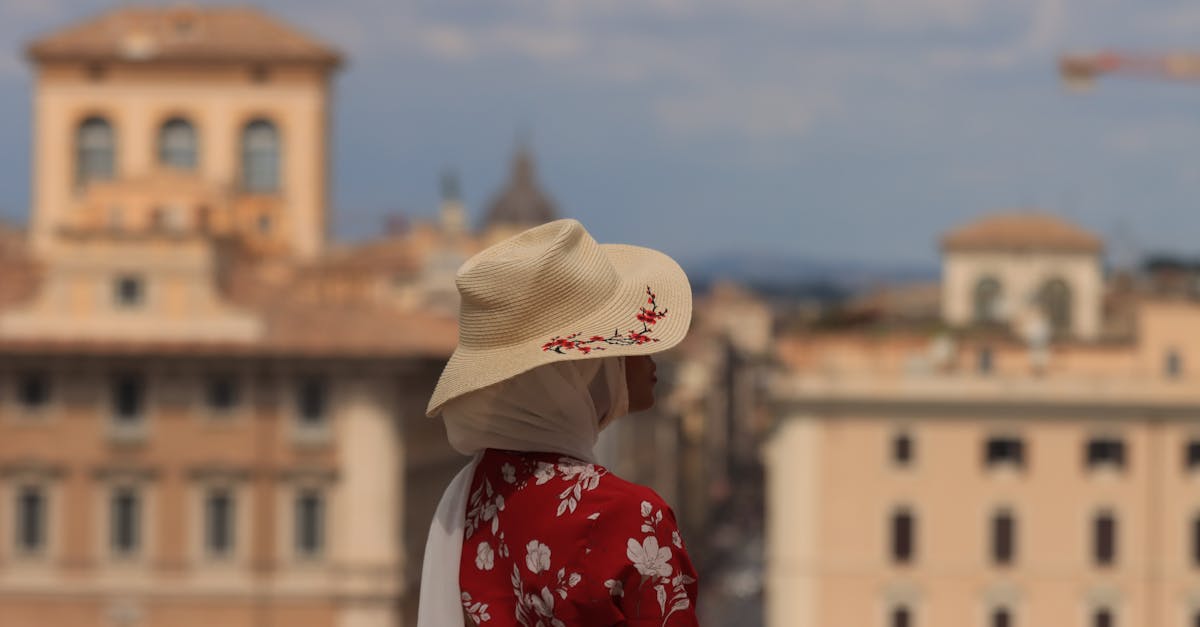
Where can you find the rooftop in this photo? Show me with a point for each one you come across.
(182, 33)
(1025, 230)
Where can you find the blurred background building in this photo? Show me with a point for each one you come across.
(1029, 456)
(211, 412)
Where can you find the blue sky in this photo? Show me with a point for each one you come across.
(851, 130)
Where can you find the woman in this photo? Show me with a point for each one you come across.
(555, 337)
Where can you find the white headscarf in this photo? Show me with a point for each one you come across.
(558, 408)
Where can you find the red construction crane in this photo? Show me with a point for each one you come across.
(1080, 71)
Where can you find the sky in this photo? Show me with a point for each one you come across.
(847, 130)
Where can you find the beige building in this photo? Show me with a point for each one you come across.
(1025, 269)
(209, 414)
(979, 478)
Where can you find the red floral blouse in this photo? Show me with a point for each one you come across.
(551, 541)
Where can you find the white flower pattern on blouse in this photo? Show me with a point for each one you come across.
(477, 611)
(653, 583)
(537, 557)
(485, 558)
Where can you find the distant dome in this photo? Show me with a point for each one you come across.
(522, 203)
(1021, 231)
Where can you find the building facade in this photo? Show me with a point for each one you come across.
(209, 414)
(972, 476)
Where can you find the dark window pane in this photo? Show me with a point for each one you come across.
(903, 543)
(1196, 540)
(984, 360)
(31, 518)
(901, 617)
(222, 393)
(95, 147)
(125, 523)
(1101, 451)
(33, 390)
(1001, 618)
(1173, 364)
(177, 144)
(219, 521)
(128, 397)
(988, 294)
(313, 400)
(902, 449)
(1004, 450)
(1191, 454)
(1105, 539)
(309, 523)
(127, 291)
(1103, 618)
(260, 157)
(1196, 619)
(1004, 538)
(1055, 300)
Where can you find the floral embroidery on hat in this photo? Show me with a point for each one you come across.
(648, 315)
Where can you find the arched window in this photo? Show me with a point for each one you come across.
(901, 617)
(177, 144)
(1001, 617)
(1055, 301)
(987, 300)
(95, 151)
(260, 157)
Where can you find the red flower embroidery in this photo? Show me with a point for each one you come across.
(647, 316)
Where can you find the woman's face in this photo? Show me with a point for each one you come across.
(640, 380)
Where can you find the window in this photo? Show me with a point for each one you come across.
(1103, 617)
(31, 519)
(128, 398)
(126, 525)
(987, 300)
(901, 617)
(221, 394)
(1055, 300)
(1196, 540)
(1191, 454)
(1004, 538)
(902, 449)
(95, 148)
(260, 157)
(1104, 539)
(1196, 619)
(984, 360)
(1001, 450)
(1001, 617)
(128, 291)
(177, 144)
(1105, 451)
(312, 401)
(260, 74)
(903, 528)
(1173, 364)
(310, 523)
(219, 522)
(33, 391)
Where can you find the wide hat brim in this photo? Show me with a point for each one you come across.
(611, 330)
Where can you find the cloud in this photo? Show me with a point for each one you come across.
(757, 112)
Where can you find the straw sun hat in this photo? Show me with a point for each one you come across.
(552, 294)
